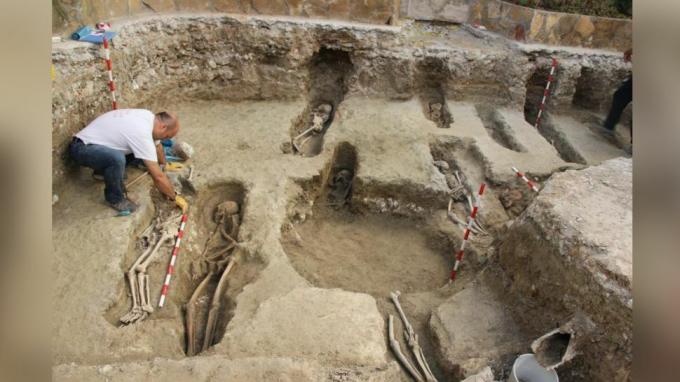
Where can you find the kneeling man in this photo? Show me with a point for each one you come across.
(104, 144)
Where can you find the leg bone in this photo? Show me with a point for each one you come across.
(215, 306)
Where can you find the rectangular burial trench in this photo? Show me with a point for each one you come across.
(431, 74)
(498, 129)
(188, 273)
(348, 247)
(535, 88)
(329, 72)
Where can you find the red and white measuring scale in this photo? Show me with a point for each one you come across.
(103, 27)
(173, 259)
(466, 232)
(525, 179)
(546, 92)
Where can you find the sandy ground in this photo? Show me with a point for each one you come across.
(239, 146)
(368, 254)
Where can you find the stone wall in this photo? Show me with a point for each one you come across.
(455, 11)
(553, 28)
(68, 14)
(540, 26)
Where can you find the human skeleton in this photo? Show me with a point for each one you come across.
(216, 259)
(311, 137)
(457, 183)
(161, 231)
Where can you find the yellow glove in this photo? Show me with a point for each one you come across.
(173, 166)
(182, 203)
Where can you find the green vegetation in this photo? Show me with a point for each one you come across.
(604, 8)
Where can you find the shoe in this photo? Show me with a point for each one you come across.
(125, 207)
(628, 149)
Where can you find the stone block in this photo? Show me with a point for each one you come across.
(373, 11)
(571, 251)
(476, 14)
(229, 6)
(486, 375)
(565, 29)
(300, 323)
(104, 10)
(493, 10)
(162, 5)
(442, 10)
(455, 11)
(474, 329)
(194, 5)
(537, 25)
(584, 27)
(295, 7)
(521, 15)
(338, 8)
(314, 8)
(270, 7)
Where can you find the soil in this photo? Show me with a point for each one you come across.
(367, 253)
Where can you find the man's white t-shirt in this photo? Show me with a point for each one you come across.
(126, 130)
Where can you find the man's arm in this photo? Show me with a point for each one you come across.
(160, 180)
(161, 154)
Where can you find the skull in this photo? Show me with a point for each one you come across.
(225, 209)
(320, 116)
(342, 178)
(435, 110)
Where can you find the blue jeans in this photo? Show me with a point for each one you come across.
(106, 161)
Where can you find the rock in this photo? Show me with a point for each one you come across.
(331, 326)
(455, 11)
(442, 165)
(486, 375)
(584, 27)
(571, 250)
(473, 329)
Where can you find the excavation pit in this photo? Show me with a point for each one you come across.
(190, 269)
(242, 86)
(367, 253)
(329, 71)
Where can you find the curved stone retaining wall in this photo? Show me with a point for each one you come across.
(554, 28)
(68, 14)
(540, 26)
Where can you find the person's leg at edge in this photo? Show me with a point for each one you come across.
(622, 97)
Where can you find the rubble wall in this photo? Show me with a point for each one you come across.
(571, 252)
(165, 58)
(157, 59)
(69, 14)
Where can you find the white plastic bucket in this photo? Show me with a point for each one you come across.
(527, 369)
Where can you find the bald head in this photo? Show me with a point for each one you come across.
(165, 125)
